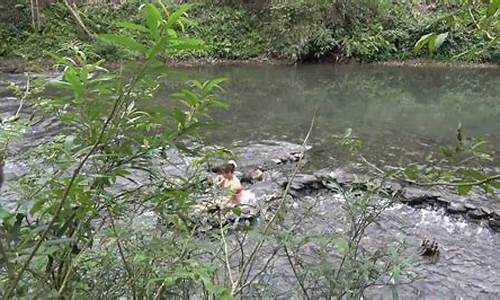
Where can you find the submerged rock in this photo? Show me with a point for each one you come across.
(302, 182)
(267, 154)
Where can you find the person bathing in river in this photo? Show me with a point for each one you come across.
(228, 181)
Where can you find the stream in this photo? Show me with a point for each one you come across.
(401, 114)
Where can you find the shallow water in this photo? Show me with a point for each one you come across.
(467, 267)
(394, 110)
(399, 113)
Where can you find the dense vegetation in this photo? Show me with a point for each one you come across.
(363, 30)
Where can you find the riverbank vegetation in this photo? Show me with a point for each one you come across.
(290, 30)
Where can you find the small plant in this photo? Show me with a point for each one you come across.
(49, 243)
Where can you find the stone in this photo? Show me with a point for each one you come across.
(476, 214)
(487, 211)
(443, 202)
(265, 154)
(470, 206)
(342, 176)
(306, 179)
(297, 186)
(296, 156)
(257, 175)
(415, 196)
(263, 189)
(494, 225)
(456, 208)
(392, 187)
(302, 181)
(496, 214)
(418, 200)
(413, 192)
(324, 174)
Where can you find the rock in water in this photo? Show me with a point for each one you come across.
(456, 208)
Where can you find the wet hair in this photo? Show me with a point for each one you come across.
(229, 167)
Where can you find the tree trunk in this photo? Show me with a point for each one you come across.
(76, 16)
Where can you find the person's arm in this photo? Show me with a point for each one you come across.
(219, 180)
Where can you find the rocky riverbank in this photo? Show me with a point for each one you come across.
(315, 207)
(276, 159)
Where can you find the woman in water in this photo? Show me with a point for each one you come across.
(228, 181)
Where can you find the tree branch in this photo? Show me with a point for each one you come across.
(235, 288)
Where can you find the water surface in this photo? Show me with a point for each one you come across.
(396, 111)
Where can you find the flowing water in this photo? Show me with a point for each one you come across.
(400, 114)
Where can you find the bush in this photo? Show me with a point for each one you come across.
(228, 32)
(363, 30)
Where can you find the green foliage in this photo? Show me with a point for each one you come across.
(340, 266)
(289, 29)
(432, 41)
(473, 30)
(47, 242)
(230, 33)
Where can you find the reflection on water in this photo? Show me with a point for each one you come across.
(390, 108)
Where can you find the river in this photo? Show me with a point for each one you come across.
(401, 114)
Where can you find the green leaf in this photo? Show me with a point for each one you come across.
(424, 40)
(493, 8)
(62, 60)
(69, 143)
(123, 41)
(342, 245)
(475, 175)
(191, 98)
(495, 184)
(153, 19)
(171, 34)
(445, 151)
(187, 44)
(172, 19)
(131, 26)
(236, 211)
(3, 213)
(37, 206)
(76, 85)
(411, 173)
(464, 189)
(439, 40)
(179, 116)
(159, 46)
(58, 241)
(214, 83)
(219, 104)
(396, 271)
(225, 295)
